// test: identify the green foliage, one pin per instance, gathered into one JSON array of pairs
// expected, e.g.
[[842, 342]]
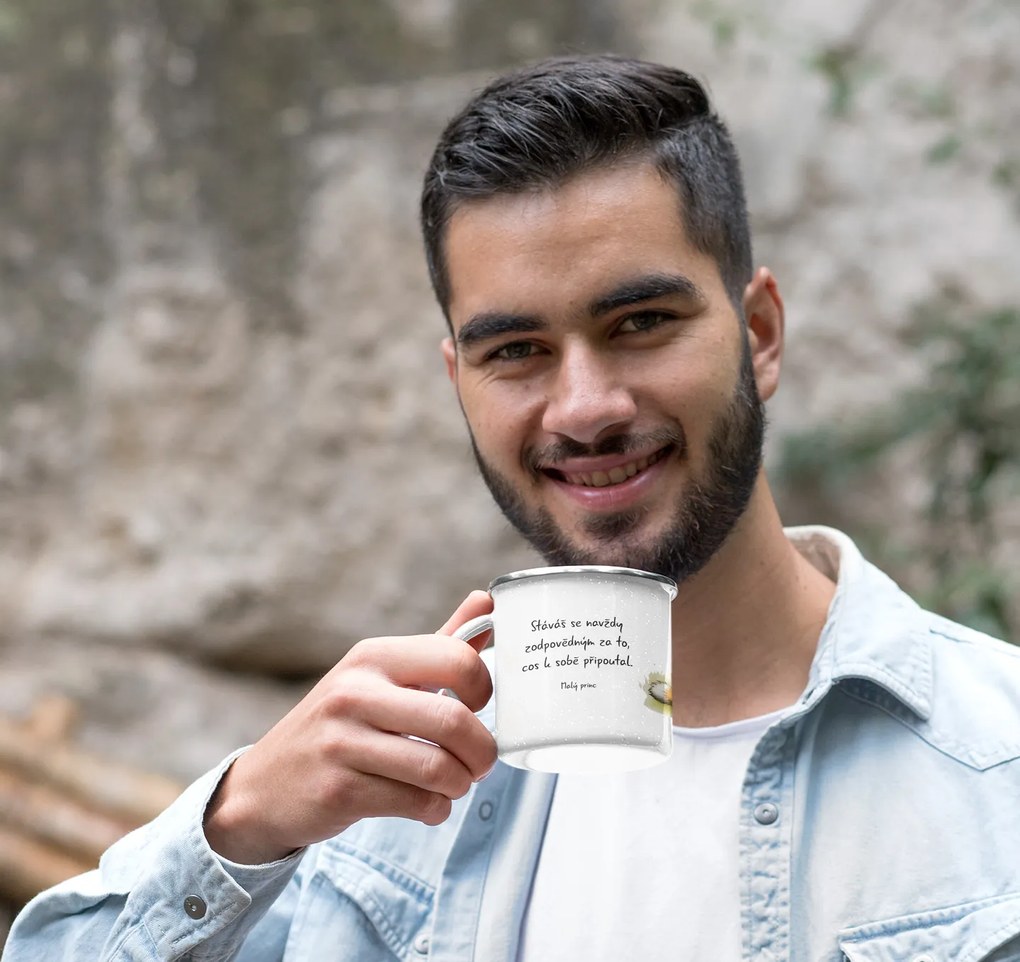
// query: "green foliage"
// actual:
[[937, 101], [961, 428], [945, 149], [11, 22], [1007, 173], [836, 64], [846, 67], [721, 21]]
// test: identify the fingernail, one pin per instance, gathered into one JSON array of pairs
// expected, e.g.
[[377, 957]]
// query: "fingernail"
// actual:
[[481, 778]]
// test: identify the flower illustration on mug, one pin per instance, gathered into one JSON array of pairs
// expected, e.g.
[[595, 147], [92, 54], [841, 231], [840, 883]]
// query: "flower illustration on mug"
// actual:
[[659, 693]]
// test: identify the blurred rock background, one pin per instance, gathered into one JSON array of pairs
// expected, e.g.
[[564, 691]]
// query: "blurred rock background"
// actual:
[[227, 446]]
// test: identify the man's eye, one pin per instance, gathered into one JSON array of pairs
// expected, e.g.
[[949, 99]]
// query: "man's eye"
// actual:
[[645, 321], [514, 351]]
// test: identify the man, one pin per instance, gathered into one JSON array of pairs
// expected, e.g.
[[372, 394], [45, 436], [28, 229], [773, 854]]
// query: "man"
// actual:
[[846, 774]]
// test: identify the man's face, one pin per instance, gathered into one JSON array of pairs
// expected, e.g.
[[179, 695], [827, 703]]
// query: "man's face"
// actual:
[[604, 374]]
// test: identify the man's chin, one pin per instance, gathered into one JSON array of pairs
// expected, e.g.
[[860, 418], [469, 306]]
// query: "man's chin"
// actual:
[[604, 530], [614, 542]]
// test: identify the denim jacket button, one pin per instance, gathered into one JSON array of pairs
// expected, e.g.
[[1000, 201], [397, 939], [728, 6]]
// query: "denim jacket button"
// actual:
[[421, 944], [195, 907], [766, 813]]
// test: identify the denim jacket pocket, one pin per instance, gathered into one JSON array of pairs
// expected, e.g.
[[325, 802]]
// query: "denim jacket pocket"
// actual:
[[363, 906], [982, 931]]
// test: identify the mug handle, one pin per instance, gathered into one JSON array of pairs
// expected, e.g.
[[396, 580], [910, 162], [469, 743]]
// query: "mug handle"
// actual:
[[473, 628]]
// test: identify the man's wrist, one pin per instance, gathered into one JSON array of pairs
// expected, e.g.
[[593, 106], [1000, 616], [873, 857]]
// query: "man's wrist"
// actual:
[[231, 833]]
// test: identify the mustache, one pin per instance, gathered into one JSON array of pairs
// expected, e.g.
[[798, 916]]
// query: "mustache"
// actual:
[[535, 458]]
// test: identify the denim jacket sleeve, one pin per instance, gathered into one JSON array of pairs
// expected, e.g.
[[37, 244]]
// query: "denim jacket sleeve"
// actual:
[[162, 894]]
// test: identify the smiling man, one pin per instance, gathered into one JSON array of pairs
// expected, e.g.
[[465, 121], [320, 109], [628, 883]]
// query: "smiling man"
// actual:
[[845, 778], [637, 426]]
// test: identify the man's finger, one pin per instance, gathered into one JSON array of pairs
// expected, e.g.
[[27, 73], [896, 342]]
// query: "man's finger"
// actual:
[[442, 721], [432, 662], [475, 604]]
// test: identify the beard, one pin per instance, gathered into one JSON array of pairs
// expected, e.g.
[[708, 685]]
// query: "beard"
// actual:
[[703, 516]]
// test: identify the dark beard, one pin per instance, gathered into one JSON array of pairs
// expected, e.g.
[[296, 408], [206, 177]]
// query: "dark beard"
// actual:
[[705, 514]]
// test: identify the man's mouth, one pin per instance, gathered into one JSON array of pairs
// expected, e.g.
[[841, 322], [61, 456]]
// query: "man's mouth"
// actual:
[[615, 475]]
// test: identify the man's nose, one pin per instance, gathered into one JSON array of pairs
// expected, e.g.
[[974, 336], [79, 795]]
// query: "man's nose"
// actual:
[[587, 397]]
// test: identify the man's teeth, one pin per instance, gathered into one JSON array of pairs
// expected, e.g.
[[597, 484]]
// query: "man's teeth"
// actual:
[[599, 479]]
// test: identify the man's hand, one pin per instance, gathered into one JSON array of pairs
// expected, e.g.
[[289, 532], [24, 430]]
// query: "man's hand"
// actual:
[[342, 754]]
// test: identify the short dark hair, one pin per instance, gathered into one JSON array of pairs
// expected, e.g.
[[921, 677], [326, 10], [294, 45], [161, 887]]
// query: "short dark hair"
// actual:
[[540, 125]]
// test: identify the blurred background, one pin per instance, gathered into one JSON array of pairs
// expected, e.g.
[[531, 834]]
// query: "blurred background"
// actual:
[[227, 446]]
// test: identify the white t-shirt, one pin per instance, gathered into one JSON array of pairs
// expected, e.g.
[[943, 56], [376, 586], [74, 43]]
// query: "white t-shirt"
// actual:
[[642, 863]]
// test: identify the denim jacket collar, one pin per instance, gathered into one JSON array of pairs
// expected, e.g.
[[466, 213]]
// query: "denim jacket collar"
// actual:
[[874, 632]]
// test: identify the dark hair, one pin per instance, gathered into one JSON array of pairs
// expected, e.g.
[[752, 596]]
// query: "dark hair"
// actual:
[[540, 125]]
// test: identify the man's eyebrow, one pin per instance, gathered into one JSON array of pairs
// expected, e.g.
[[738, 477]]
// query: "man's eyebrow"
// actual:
[[645, 288], [481, 327], [489, 324]]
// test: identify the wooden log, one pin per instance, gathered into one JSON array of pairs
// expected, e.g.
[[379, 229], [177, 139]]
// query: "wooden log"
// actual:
[[61, 807], [52, 719], [119, 791], [27, 866], [43, 813]]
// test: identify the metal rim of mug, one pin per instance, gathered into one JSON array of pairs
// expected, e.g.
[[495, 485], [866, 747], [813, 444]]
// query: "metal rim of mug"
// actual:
[[668, 583]]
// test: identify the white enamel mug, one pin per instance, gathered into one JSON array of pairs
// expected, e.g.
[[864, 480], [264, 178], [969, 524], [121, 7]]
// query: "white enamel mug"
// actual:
[[582, 667]]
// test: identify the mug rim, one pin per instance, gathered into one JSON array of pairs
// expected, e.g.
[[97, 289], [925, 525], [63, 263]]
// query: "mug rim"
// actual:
[[554, 570]]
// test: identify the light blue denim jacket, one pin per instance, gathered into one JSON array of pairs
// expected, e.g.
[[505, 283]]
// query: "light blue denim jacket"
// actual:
[[880, 822]]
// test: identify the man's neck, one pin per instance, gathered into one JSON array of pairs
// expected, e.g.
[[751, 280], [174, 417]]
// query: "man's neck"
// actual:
[[746, 627]]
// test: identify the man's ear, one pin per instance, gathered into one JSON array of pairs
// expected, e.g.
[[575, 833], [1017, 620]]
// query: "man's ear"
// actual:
[[766, 318], [450, 356]]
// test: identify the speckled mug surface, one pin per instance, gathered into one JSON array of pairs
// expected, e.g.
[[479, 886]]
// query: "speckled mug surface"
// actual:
[[582, 667]]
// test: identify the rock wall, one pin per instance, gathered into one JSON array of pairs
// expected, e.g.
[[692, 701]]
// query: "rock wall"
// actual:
[[227, 446]]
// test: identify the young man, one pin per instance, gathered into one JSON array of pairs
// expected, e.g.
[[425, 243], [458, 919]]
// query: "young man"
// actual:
[[846, 776]]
